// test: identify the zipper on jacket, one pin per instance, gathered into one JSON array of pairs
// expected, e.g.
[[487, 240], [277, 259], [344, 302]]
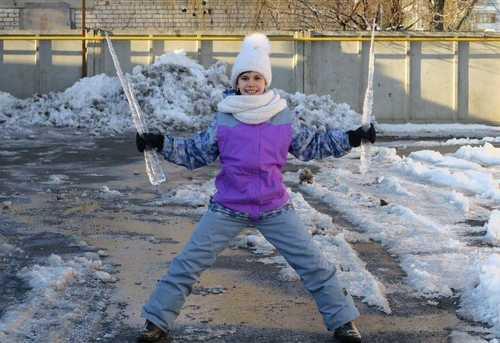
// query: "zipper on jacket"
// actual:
[[259, 169]]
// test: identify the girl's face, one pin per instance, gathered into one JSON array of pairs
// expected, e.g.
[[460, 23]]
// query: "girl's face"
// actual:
[[251, 83]]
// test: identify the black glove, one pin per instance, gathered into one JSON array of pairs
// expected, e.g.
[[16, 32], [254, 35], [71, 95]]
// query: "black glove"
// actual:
[[149, 141], [358, 135]]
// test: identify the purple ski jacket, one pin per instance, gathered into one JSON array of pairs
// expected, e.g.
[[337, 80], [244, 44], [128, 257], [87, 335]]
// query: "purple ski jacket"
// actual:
[[252, 157]]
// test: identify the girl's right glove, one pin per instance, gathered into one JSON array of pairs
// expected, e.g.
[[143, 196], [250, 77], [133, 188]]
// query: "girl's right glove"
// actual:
[[356, 136], [149, 141]]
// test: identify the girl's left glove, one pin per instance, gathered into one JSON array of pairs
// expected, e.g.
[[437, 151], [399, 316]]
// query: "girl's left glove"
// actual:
[[149, 141], [356, 136]]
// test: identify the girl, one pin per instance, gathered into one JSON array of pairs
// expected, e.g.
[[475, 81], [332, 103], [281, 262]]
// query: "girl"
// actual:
[[252, 134]]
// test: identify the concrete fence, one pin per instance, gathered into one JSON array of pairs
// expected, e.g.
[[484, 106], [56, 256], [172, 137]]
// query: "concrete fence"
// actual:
[[417, 78]]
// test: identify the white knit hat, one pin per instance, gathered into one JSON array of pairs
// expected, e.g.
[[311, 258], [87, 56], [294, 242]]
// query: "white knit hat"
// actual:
[[253, 56]]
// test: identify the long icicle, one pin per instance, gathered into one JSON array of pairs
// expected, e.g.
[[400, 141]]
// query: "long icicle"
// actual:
[[367, 116], [151, 158]]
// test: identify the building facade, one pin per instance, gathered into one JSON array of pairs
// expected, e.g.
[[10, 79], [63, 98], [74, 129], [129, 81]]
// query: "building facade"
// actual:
[[155, 16], [487, 15]]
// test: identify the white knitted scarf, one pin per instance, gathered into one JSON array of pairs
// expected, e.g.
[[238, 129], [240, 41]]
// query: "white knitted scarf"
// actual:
[[253, 109]]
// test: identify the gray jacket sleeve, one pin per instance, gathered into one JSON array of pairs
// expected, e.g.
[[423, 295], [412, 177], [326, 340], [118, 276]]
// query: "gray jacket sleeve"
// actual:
[[309, 144], [197, 151]]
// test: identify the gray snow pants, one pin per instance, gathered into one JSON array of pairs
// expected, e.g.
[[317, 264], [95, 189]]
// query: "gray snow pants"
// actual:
[[283, 229]]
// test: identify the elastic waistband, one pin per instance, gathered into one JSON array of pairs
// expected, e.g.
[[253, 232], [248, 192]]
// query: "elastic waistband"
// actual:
[[217, 207]]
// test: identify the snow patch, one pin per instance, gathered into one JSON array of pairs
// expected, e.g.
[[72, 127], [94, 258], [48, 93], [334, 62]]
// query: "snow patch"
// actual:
[[486, 155], [482, 302], [493, 228]]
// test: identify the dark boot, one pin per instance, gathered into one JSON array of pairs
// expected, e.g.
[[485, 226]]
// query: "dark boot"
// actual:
[[348, 333], [152, 333]]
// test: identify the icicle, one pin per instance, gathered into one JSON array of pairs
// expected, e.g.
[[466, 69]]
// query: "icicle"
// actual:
[[153, 166], [366, 118]]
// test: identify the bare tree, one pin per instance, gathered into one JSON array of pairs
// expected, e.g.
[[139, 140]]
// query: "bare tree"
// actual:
[[390, 15], [449, 15]]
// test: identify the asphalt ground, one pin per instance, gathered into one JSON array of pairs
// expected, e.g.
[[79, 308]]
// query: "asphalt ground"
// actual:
[[43, 215]]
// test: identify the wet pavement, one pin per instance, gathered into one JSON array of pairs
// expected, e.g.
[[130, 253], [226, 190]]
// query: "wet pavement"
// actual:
[[73, 195]]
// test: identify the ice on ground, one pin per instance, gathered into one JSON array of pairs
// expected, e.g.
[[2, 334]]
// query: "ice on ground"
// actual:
[[493, 228]]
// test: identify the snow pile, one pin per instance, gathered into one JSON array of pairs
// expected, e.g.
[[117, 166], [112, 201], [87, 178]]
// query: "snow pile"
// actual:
[[470, 141], [321, 112], [258, 245], [106, 192], [192, 195], [430, 229], [486, 155], [482, 302], [382, 154], [481, 183], [56, 179], [493, 228], [7, 103], [393, 185], [58, 275], [459, 200], [436, 158], [314, 221], [351, 270], [175, 94], [464, 337], [7, 249], [438, 130], [60, 296], [55, 276], [439, 274]]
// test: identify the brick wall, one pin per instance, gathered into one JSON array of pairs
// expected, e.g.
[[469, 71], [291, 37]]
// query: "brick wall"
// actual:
[[9, 18], [185, 15]]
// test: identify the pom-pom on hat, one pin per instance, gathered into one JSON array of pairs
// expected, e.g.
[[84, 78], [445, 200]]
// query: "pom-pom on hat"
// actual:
[[253, 56]]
